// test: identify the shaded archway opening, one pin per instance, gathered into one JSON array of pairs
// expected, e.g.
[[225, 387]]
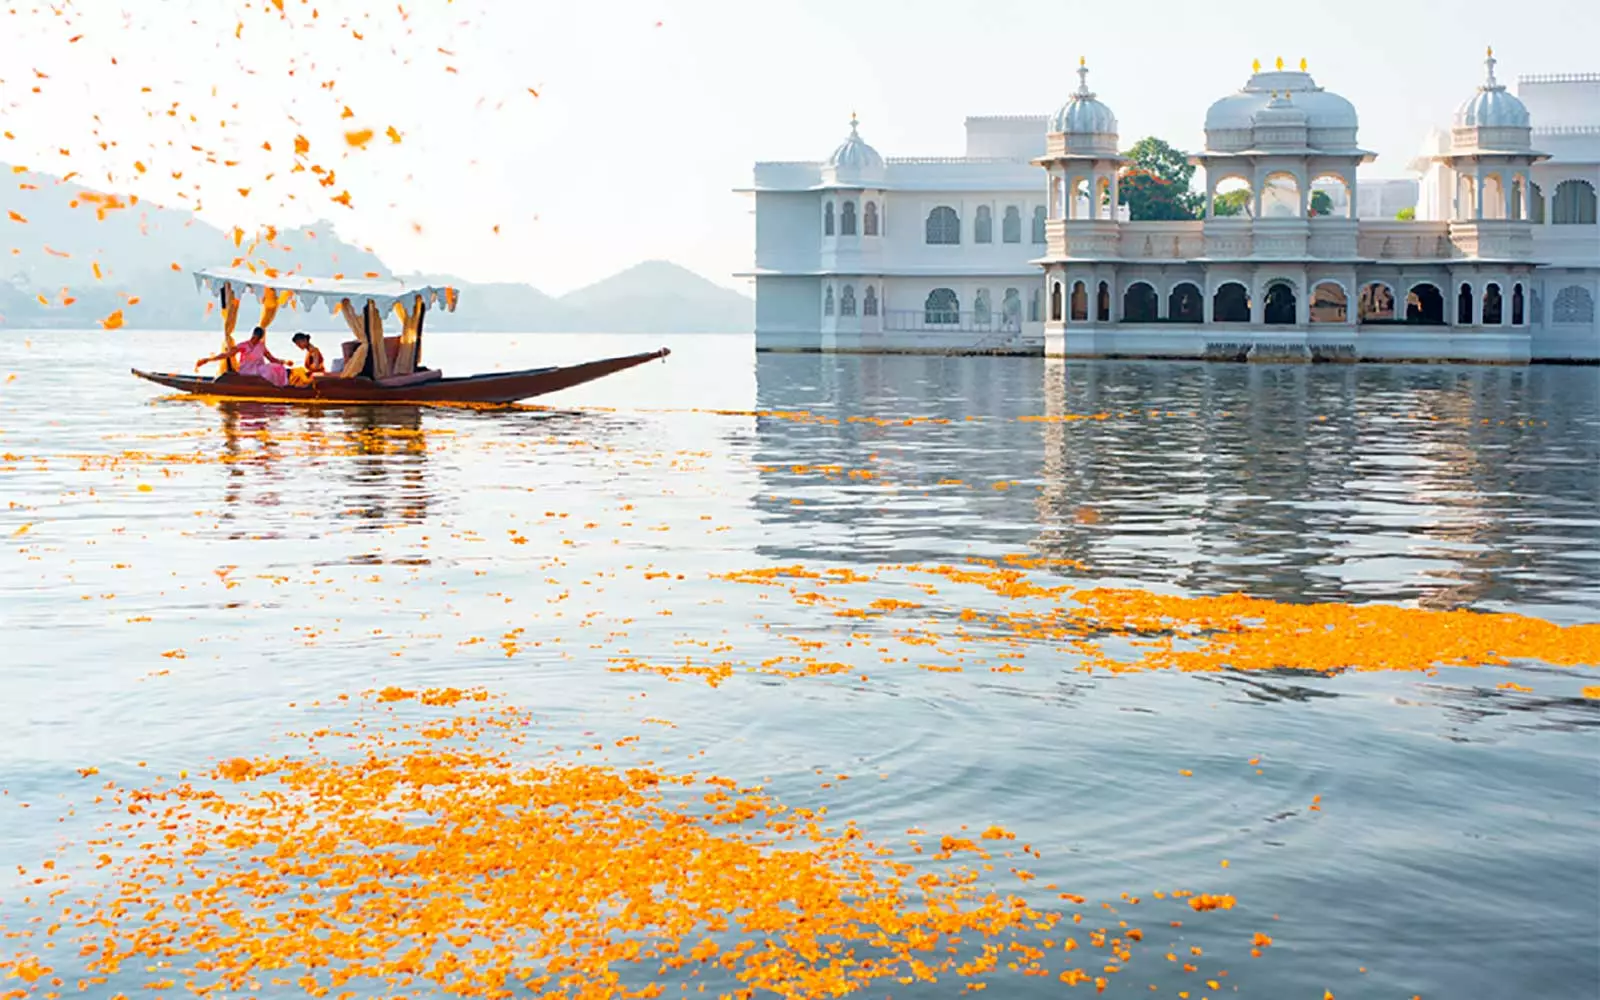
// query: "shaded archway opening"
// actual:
[[1079, 205], [1375, 303], [1330, 198], [1494, 198], [1102, 305], [1493, 305], [1230, 304], [1080, 302], [1280, 196], [1011, 308], [1464, 305], [1232, 196], [1517, 308], [1055, 301], [1425, 305], [1139, 303], [1185, 304], [1278, 305], [1329, 304], [847, 219]]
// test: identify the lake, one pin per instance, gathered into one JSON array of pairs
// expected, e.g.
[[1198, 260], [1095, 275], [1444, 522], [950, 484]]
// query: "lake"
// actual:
[[1291, 669]]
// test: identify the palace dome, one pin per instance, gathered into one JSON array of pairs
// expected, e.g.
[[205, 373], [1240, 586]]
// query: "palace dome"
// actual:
[[1331, 120], [1084, 113], [854, 157], [1493, 106]]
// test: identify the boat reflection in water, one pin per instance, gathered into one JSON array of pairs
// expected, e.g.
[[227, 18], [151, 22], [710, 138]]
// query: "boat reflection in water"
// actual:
[[367, 464]]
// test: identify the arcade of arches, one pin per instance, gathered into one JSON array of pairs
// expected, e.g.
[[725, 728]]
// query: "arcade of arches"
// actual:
[[1476, 303]]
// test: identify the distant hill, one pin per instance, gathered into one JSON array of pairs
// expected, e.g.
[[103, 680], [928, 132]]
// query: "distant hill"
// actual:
[[658, 296], [70, 229]]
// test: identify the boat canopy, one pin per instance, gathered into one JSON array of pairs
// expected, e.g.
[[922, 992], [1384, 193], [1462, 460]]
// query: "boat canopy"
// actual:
[[362, 302], [382, 292]]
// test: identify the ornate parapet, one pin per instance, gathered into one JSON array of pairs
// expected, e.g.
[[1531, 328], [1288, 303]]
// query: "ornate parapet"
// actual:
[[1493, 239]]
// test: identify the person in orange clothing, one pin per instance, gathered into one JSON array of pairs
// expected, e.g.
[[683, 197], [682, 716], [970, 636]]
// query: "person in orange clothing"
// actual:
[[314, 364]]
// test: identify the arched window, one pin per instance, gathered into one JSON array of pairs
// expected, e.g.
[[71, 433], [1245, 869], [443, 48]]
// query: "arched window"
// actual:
[[1493, 307], [1376, 302], [1102, 304], [847, 219], [1033, 306], [983, 226], [1038, 223], [1464, 305], [1494, 197], [1573, 204], [944, 226], [1280, 196], [1185, 304], [1466, 196], [1425, 304], [981, 313], [1573, 304], [869, 299], [827, 302], [1278, 305], [827, 218], [942, 307], [1230, 303], [1517, 311], [1536, 193], [847, 300], [1536, 305], [1055, 301], [1329, 303], [1080, 302], [1011, 225], [1011, 308], [869, 219], [1139, 303], [1078, 208], [1516, 196]]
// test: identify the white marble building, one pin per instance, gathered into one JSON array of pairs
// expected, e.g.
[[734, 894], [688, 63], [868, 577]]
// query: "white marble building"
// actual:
[[1467, 280], [861, 252], [1501, 263]]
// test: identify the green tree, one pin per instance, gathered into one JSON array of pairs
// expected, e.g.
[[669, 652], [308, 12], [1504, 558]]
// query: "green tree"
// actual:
[[1231, 203], [1407, 214], [1321, 204], [1155, 182]]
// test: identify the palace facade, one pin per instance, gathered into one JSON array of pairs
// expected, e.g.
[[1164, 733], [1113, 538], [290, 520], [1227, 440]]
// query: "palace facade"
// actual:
[[1292, 260]]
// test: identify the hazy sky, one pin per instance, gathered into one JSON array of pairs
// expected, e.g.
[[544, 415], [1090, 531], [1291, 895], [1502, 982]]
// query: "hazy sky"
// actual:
[[648, 113]]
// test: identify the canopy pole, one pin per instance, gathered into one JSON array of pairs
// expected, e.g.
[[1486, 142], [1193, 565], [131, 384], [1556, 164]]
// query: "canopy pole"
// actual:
[[422, 314], [369, 370]]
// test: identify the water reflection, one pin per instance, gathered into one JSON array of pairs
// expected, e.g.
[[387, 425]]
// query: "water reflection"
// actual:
[[1451, 487], [371, 461]]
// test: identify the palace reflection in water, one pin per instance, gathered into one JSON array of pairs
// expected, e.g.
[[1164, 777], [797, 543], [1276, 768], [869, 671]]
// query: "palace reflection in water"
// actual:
[[1449, 486]]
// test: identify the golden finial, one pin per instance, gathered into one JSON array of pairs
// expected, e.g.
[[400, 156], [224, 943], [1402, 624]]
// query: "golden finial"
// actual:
[[1280, 62], [1302, 64], [1081, 60], [1255, 66], [1490, 53]]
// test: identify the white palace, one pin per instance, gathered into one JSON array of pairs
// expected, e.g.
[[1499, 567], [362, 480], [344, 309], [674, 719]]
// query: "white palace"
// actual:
[[976, 253]]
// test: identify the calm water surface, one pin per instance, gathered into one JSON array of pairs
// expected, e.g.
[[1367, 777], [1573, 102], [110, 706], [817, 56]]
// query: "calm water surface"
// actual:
[[282, 556]]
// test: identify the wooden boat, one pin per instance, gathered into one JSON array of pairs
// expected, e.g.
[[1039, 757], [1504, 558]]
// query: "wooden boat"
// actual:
[[374, 368]]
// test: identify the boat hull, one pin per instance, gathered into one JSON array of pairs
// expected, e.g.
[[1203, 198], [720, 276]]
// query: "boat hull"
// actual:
[[493, 388]]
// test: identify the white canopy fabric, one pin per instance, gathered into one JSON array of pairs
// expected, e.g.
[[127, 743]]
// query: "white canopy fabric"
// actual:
[[309, 291]]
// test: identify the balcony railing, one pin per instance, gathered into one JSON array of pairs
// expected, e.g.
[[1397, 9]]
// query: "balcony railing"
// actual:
[[951, 321]]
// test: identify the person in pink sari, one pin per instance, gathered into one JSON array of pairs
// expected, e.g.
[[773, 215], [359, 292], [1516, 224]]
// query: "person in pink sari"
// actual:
[[253, 358]]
